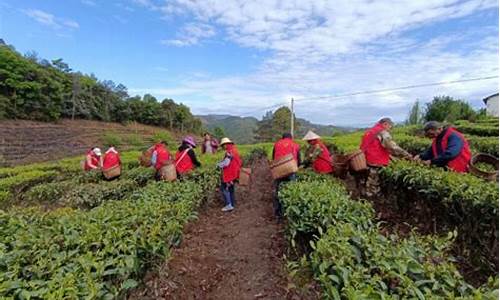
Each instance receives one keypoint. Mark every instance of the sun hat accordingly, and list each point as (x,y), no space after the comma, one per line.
(189,140)
(225,141)
(311,136)
(97,151)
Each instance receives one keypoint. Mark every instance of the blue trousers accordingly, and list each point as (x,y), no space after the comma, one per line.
(227,191)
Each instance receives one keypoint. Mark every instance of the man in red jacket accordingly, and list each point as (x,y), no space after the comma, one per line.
(449,148)
(378,146)
(284,147)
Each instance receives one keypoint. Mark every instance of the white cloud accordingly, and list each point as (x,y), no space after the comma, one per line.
(320,47)
(89,2)
(50,20)
(191,34)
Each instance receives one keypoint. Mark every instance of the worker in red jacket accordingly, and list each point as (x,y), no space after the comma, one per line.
(92,159)
(378,146)
(111,159)
(449,148)
(317,154)
(185,158)
(285,146)
(230,165)
(160,157)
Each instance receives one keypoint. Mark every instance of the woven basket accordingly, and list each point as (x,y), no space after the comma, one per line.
(357,161)
(145,158)
(168,172)
(487,159)
(112,172)
(340,165)
(245,176)
(283,167)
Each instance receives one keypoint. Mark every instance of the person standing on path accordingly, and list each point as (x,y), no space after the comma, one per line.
(378,146)
(210,144)
(230,166)
(285,146)
(449,148)
(160,157)
(317,154)
(185,158)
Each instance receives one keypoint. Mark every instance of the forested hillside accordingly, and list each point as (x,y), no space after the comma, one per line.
(32,88)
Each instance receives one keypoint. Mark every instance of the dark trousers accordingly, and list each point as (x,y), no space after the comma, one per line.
(278,208)
(227,191)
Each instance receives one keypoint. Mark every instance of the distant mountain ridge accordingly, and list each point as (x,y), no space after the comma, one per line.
(241,129)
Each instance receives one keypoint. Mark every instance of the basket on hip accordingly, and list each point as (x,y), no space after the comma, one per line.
(357,161)
(112,172)
(168,172)
(245,176)
(283,167)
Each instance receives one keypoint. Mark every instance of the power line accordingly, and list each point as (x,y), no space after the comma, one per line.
(372,92)
(397,88)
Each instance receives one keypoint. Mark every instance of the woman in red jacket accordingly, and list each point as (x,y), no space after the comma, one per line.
(317,154)
(92,159)
(111,159)
(160,157)
(230,166)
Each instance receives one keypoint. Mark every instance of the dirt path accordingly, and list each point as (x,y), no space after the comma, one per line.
(236,255)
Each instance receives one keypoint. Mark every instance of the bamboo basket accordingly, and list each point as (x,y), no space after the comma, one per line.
(487,159)
(357,161)
(145,158)
(168,172)
(340,165)
(112,172)
(245,176)
(283,167)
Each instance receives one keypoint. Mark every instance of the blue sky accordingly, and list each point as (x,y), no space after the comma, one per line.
(239,57)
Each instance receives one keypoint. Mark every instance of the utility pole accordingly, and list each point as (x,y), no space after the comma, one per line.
(291,118)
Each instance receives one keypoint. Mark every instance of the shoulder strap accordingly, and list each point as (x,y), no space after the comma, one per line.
(182,156)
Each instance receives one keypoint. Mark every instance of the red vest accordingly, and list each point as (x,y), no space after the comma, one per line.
(111,159)
(284,147)
(323,164)
(232,172)
(185,164)
(94,158)
(375,153)
(460,163)
(162,156)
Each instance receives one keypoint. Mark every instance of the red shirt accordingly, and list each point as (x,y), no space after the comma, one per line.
(111,159)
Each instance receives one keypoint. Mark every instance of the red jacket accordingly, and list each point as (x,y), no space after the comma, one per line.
(284,147)
(162,156)
(375,153)
(232,171)
(323,164)
(183,162)
(111,159)
(94,160)
(460,163)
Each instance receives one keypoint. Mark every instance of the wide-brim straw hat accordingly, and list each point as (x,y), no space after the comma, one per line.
(311,136)
(225,141)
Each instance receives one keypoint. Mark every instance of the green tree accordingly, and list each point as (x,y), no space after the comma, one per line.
(272,126)
(415,116)
(446,108)
(181,115)
(219,132)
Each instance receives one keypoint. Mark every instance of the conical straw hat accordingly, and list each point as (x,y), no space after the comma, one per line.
(225,141)
(311,136)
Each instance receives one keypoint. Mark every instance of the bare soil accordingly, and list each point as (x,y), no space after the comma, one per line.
(228,255)
(24,142)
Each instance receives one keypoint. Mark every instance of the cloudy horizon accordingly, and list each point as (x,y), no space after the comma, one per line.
(241,57)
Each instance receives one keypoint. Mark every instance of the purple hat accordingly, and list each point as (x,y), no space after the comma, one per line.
(189,140)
